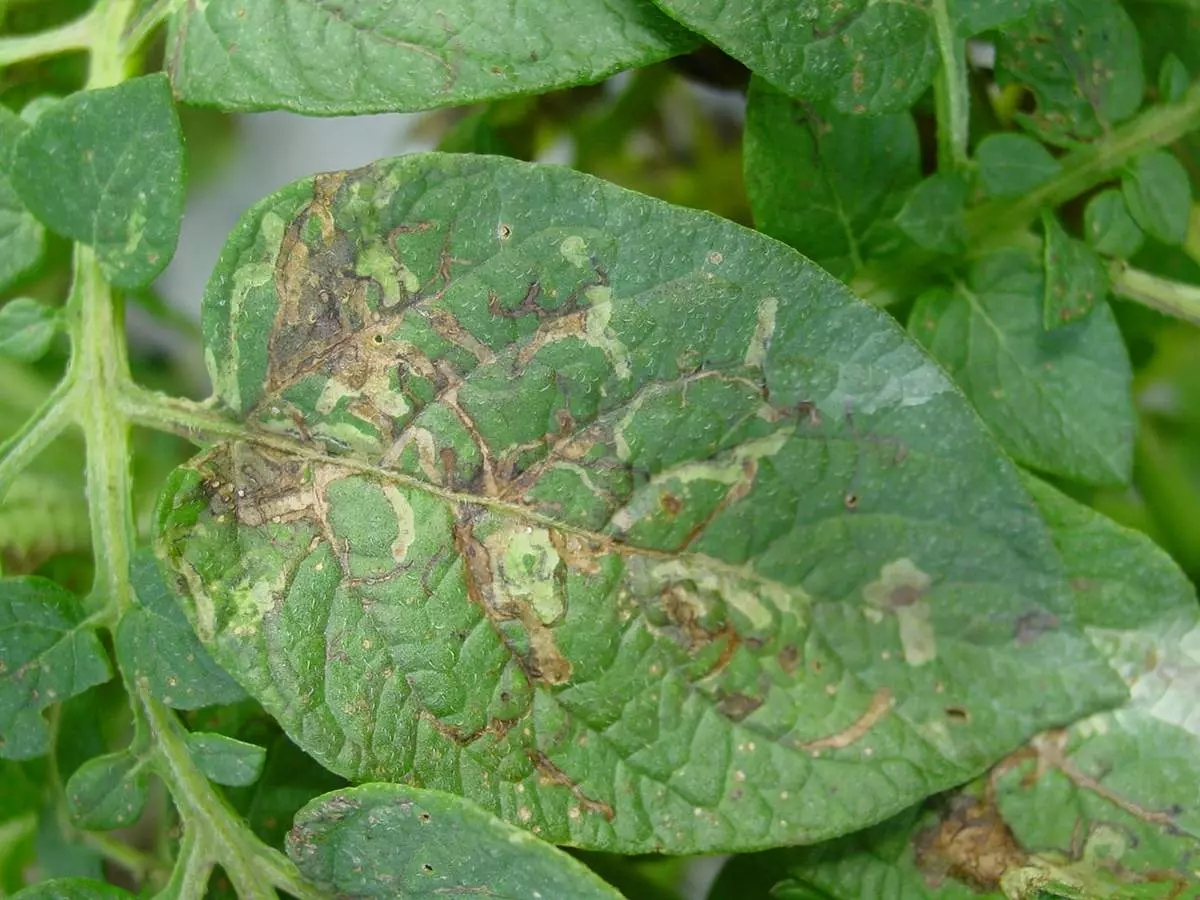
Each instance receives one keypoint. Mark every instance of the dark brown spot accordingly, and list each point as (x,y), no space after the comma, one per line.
(671,504)
(736,706)
(958,714)
(1033,625)
(789,658)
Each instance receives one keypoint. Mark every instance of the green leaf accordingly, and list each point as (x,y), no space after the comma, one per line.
(863,57)
(73,889)
(1059,400)
(631,585)
(1173,79)
(105,168)
(933,216)
(1159,195)
(21,235)
(373,56)
(392,841)
(1082,61)
(47,654)
(26,329)
(107,792)
(226,760)
(1013,164)
(1075,277)
(975,16)
(1109,227)
(1078,812)
(154,642)
(828,184)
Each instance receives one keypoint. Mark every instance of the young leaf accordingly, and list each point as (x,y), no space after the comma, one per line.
(1108,226)
(1058,401)
(47,654)
(26,329)
(827,183)
(105,168)
(393,841)
(1159,195)
(1082,61)
(154,642)
(107,792)
(73,889)
(1172,79)
(226,760)
(1076,813)
(21,235)
(934,214)
(373,56)
(1075,277)
(1013,164)
(503,525)
(864,58)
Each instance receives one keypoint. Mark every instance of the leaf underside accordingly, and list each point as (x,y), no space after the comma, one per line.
(627,523)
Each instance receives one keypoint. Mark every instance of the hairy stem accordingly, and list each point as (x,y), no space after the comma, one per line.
(47,423)
(951,91)
(1171,297)
(73,36)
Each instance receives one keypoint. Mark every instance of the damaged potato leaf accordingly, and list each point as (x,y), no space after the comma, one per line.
(1082,61)
(47,654)
(827,183)
(1075,277)
(499,525)
(107,792)
(1074,813)
(393,841)
(863,57)
(1059,400)
(378,56)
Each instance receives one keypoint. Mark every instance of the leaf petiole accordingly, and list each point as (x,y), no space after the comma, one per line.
(951,91)
(1171,297)
(74,36)
(38,431)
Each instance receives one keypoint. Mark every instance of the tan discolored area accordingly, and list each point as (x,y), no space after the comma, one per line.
(970,843)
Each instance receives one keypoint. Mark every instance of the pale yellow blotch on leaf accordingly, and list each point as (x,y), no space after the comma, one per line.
(406,522)
(523,564)
(901,590)
(598,334)
(764,327)
(574,250)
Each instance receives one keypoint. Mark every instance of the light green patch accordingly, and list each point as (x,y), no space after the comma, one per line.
(374,261)
(245,279)
(334,390)
(901,590)
(135,227)
(597,332)
(248,605)
(764,327)
(523,565)
(732,468)
(574,250)
(406,522)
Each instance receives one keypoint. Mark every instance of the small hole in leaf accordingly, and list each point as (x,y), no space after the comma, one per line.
(958,714)
(851,501)
(378,338)
(504,232)
(427,868)
(425,817)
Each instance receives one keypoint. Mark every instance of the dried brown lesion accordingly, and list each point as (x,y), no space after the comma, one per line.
(877,709)
(550,774)
(970,843)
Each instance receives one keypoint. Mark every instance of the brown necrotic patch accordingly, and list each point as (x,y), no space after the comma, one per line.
(970,843)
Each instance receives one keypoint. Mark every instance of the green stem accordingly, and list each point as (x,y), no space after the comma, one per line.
(73,36)
(951,90)
(100,368)
(193,868)
(1171,297)
(110,58)
(253,868)
(39,430)
(146,23)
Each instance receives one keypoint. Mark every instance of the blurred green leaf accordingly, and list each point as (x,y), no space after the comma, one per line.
(26,329)
(105,168)
(21,235)
(155,642)
(1059,400)
(225,760)
(373,56)
(394,841)
(1013,164)
(47,654)
(1159,195)
(864,58)
(1173,79)
(933,216)
(1082,61)
(107,792)
(827,183)
(1108,226)
(1076,279)
(73,889)
(975,16)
